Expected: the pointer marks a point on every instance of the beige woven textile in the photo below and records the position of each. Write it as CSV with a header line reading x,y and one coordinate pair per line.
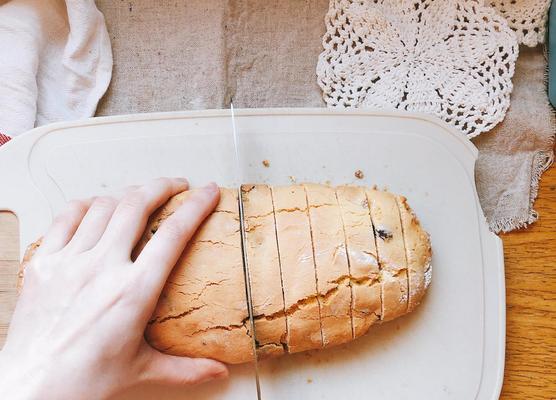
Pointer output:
x,y
181,55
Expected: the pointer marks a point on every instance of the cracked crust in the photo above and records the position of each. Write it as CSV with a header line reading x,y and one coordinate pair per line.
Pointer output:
x,y
362,256
330,264
264,269
298,270
385,217
202,310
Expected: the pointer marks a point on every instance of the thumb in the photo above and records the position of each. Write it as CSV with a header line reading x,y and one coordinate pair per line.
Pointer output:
x,y
174,370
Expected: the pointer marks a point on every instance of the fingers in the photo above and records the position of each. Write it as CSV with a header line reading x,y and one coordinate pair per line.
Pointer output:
x,y
131,214
64,226
93,225
161,253
173,370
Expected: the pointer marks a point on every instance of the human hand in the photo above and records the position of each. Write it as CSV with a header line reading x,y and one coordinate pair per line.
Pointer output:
x,y
77,330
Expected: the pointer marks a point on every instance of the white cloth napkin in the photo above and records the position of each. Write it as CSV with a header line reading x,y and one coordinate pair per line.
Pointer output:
x,y
55,62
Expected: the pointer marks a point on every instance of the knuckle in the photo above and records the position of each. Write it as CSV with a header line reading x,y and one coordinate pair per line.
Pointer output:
x,y
104,203
65,219
133,200
76,206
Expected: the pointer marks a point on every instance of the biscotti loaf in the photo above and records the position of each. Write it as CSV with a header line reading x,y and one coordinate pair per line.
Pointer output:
x,y
325,265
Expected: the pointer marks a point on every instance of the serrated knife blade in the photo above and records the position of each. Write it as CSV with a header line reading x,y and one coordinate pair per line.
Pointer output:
x,y
246,275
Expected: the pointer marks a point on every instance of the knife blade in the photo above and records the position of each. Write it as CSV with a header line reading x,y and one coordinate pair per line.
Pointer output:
x,y
246,275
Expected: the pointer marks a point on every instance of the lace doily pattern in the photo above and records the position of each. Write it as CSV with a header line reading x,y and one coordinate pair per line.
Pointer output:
x,y
450,58
527,18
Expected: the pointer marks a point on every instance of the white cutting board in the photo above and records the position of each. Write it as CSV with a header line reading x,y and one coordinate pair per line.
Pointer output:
x,y
451,347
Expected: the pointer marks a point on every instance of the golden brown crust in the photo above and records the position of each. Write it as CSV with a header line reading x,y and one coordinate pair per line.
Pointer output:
x,y
418,253
331,264
264,269
203,303
391,253
298,269
362,256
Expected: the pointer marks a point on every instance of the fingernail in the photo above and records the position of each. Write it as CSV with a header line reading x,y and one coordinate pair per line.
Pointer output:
x,y
179,179
211,187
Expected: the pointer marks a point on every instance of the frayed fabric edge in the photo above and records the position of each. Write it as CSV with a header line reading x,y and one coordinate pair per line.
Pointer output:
x,y
542,160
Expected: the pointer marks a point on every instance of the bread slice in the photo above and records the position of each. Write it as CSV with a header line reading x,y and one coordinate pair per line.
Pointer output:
x,y
264,269
362,256
331,263
202,311
418,254
385,217
298,268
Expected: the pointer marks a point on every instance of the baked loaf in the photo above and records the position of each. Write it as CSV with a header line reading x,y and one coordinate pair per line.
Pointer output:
x,y
325,265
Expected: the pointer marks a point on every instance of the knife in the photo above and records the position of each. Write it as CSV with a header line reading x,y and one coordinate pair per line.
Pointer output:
x,y
246,276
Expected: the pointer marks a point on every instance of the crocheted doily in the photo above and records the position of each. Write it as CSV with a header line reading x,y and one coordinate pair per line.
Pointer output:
x,y
451,58
526,17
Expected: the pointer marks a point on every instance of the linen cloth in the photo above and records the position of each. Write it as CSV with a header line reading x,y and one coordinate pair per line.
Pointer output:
x,y
55,62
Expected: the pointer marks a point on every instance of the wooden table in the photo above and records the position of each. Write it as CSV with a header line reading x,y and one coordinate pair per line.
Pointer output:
x,y
530,258
530,286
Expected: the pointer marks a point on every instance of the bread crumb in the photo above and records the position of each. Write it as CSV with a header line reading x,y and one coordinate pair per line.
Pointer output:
x,y
309,380
359,174
266,163
292,178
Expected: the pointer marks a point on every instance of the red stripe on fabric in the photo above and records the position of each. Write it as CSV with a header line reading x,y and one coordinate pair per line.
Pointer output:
x,y
4,139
